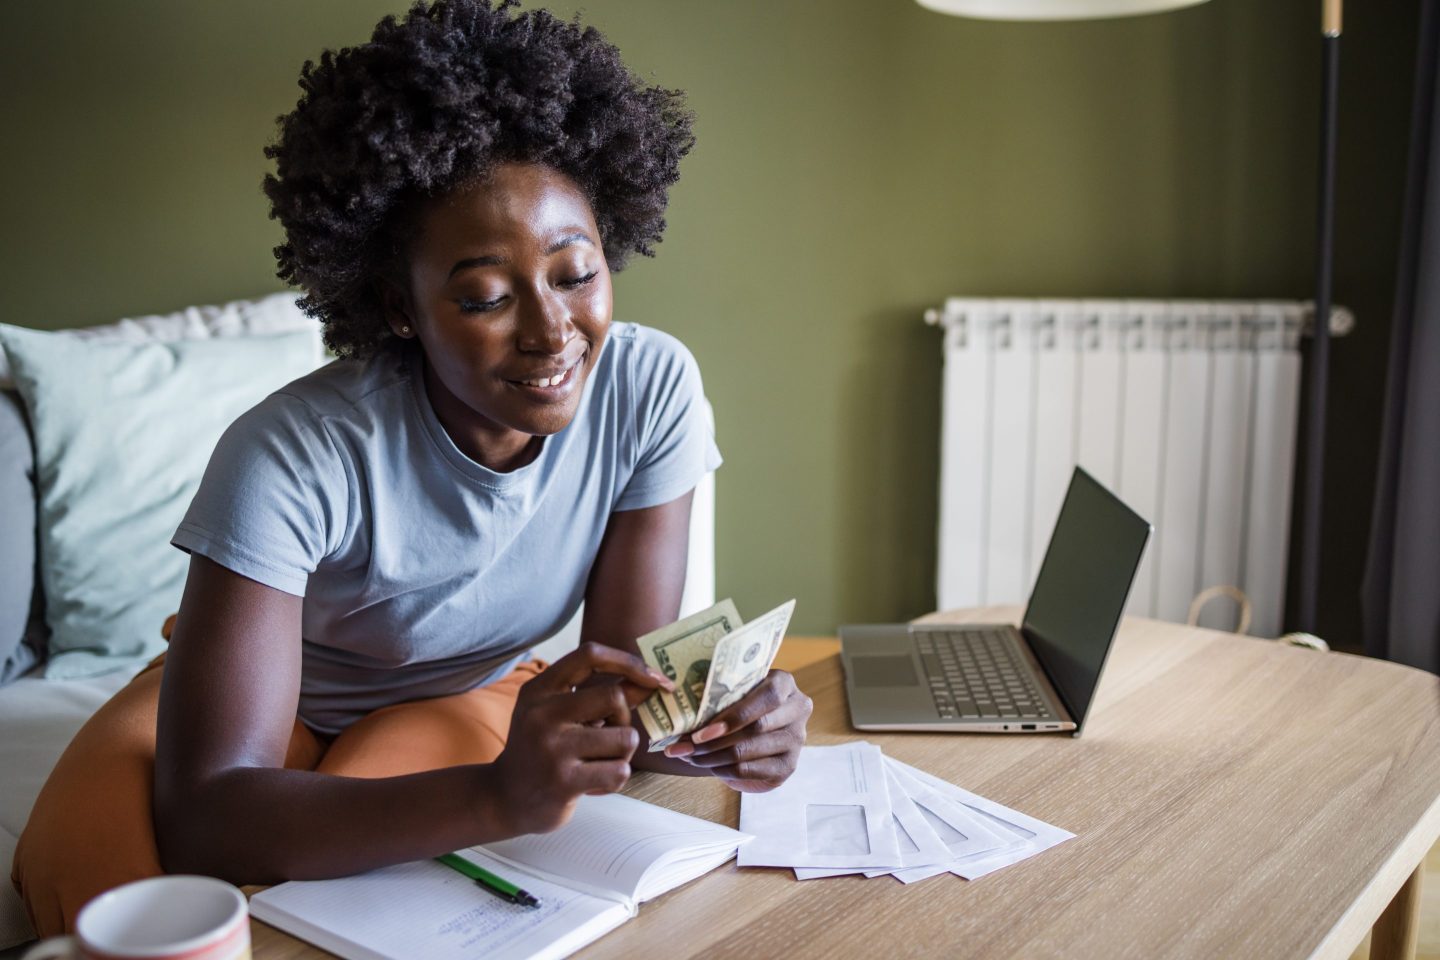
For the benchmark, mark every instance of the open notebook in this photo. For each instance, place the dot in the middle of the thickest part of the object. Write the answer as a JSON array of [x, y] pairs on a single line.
[[590, 876]]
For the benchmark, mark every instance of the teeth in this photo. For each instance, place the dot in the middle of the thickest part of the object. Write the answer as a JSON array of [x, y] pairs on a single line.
[[554, 381]]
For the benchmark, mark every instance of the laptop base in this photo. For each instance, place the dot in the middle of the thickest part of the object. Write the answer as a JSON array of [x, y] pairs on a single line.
[[900, 677]]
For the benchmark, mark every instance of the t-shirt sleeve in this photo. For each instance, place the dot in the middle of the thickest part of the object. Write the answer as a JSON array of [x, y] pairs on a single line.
[[677, 434], [274, 498]]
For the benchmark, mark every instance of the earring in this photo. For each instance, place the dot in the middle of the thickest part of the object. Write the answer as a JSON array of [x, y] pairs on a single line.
[[405, 330]]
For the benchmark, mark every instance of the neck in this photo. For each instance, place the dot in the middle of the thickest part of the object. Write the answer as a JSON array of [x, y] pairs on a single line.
[[488, 443]]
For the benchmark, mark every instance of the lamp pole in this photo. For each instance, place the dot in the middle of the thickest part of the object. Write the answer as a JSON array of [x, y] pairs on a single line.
[[1330, 25]]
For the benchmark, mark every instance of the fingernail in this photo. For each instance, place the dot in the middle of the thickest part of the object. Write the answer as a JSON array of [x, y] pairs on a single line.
[[661, 679], [709, 733], [679, 750]]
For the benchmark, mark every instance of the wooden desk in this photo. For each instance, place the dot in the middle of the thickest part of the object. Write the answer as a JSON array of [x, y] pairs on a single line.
[[1232, 797]]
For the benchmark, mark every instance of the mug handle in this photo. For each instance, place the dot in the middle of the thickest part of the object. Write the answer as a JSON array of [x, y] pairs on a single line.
[[53, 948]]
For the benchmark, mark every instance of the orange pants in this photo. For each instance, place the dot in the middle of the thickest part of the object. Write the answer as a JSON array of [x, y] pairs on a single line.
[[92, 826]]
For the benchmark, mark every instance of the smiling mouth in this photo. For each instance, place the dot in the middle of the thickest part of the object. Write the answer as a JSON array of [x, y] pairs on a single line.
[[558, 380]]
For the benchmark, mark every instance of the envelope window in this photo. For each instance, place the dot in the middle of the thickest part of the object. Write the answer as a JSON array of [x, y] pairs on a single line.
[[836, 828], [1005, 825], [948, 834], [902, 837]]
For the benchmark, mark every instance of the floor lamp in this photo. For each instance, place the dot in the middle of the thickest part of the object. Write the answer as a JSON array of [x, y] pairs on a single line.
[[1319, 362]]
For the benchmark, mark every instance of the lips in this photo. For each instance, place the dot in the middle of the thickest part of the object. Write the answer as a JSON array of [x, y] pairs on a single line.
[[549, 380]]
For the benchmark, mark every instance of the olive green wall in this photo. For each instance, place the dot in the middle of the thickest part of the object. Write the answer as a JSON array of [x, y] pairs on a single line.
[[858, 160]]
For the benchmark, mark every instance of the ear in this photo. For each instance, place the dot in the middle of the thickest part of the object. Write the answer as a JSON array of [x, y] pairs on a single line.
[[395, 303]]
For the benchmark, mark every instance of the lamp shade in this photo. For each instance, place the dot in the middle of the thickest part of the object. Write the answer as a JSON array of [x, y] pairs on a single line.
[[1052, 9]]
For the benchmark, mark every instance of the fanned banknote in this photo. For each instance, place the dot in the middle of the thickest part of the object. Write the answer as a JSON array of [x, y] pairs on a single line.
[[714, 660], [741, 660], [682, 652]]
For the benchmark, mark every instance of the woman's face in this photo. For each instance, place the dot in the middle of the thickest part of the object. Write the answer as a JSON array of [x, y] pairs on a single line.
[[510, 299]]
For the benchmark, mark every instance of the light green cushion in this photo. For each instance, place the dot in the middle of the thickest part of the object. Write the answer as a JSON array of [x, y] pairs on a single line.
[[122, 436]]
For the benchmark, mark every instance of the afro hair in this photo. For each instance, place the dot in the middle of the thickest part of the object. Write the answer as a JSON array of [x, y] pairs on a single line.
[[435, 100]]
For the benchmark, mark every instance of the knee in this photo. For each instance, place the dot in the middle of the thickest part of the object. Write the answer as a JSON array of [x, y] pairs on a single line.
[[52, 894], [65, 857]]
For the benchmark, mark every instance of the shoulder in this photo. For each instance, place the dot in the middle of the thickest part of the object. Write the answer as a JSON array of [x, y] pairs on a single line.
[[348, 389], [280, 491], [667, 418], [646, 348], [306, 410], [652, 366]]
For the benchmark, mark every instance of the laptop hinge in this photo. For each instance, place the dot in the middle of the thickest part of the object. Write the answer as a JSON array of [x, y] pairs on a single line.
[[1029, 636]]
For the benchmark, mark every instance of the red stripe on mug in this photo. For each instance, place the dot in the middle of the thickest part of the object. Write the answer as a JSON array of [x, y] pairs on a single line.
[[233, 945]]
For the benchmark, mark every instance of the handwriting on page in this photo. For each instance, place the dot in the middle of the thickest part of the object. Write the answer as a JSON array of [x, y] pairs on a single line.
[[493, 924]]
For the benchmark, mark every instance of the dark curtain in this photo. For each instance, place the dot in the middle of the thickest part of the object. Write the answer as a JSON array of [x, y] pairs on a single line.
[[1400, 598]]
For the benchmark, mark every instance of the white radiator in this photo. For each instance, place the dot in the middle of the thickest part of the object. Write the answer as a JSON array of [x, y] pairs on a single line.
[[1186, 409]]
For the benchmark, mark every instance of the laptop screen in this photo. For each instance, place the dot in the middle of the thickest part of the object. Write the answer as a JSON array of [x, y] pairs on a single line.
[[1081, 590]]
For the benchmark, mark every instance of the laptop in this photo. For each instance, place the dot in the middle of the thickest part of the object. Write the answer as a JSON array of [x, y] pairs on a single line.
[[993, 678]]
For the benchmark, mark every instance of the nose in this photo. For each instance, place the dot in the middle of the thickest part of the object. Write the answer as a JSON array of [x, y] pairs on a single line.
[[545, 325]]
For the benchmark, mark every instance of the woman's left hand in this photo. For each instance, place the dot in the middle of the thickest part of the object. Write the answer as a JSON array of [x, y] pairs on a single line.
[[755, 744]]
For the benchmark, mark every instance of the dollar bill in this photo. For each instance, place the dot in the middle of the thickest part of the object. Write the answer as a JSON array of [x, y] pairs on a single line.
[[682, 651], [741, 660], [736, 663]]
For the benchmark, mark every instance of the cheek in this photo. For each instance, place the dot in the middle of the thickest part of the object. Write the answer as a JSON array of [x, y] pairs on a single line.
[[600, 302], [469, 354]]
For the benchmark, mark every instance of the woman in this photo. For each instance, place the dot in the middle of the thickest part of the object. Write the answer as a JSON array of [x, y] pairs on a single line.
[[375, 547]]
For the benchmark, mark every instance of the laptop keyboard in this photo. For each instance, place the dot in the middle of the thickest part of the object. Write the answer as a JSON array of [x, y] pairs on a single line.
[[978, 673]]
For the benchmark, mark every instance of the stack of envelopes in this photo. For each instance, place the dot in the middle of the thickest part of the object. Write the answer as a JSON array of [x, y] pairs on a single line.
[[851, 809]]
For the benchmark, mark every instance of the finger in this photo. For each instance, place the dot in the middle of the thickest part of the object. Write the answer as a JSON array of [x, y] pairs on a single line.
[[591, 658], [750, 786], [770, 770], [601, 776], [635, 694], [604, 743], [791, 714], [773, 744], [774, 690], [790, 717], [600, 704], [765, 698]]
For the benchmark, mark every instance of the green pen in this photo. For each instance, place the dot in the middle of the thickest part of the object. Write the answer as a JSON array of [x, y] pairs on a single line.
[[499, 886]]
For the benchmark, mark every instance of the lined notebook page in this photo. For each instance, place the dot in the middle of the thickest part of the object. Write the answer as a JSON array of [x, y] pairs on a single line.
[[612, 840], [425, 909]]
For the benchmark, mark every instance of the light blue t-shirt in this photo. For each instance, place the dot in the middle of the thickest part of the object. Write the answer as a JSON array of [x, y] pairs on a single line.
[[423, 572]]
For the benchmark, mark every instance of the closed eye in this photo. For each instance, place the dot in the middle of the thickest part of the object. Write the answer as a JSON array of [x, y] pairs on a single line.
[[488, 306], [481, 306]]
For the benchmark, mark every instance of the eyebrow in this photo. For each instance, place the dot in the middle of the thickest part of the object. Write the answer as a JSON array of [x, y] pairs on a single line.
[[491, 260], [568, 240], [466, 264]]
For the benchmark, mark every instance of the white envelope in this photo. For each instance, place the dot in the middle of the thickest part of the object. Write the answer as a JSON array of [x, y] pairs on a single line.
[[963, 831], [1028, 835], [834, 811], [949, 829], [918, 841]]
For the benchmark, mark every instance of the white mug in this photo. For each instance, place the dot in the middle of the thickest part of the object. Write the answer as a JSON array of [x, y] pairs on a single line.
[[160, 918]]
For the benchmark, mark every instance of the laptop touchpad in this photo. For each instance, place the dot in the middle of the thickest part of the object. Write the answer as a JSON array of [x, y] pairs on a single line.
[[884, 671]]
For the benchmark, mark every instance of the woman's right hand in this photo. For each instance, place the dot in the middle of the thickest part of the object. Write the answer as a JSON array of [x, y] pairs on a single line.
[[565, 742]]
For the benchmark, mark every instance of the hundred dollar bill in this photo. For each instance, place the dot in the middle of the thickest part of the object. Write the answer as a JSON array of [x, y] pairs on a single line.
[[741, 660], [682, 652]]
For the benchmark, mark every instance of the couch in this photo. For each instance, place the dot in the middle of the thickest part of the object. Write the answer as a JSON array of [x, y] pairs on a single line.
[[39, 714]]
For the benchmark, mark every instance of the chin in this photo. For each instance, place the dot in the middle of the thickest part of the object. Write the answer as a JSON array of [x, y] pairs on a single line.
[[543, 422], [543, 411]]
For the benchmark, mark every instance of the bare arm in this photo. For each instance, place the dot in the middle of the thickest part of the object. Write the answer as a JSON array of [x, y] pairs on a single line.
[[225, 806], [636, 586]]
